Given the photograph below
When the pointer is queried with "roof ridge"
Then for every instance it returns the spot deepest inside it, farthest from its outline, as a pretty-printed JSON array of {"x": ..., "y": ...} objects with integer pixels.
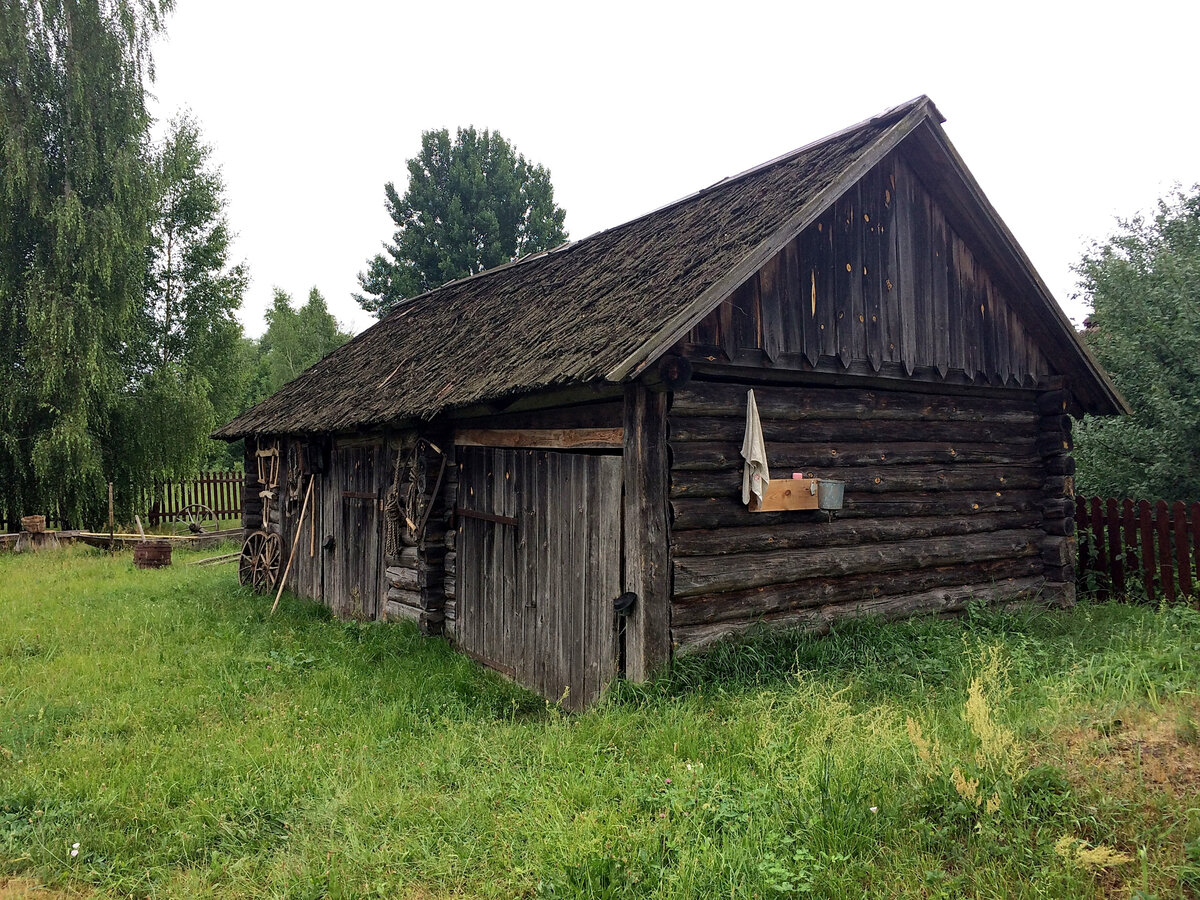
[{"x": 895, "y": 112}]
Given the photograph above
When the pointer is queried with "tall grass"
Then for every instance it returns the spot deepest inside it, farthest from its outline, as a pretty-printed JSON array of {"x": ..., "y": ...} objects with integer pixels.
[{"x": 194, "y": 746}]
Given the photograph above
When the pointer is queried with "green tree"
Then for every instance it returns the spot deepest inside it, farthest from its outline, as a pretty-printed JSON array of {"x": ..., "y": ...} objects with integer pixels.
[
  {"x": 1143, "y": 284},
  {"x": 470, "y": 205},
  {"x": 76, "y": 200},
  {"x": 191, "y": 372},
  {"x": 294, "y": 340}
]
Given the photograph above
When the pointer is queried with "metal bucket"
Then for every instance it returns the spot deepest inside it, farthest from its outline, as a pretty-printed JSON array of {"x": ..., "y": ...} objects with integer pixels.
[{"x": 830, "y": 494}]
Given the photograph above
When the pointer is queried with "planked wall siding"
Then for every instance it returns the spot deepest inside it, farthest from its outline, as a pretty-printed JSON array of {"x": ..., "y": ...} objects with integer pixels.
[
  {"x": 880, "y": 283},
  {"x": 944, "y": 498}
]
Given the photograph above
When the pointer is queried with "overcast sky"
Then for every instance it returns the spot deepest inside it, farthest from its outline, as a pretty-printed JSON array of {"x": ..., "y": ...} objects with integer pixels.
[{"x": 1068, "y": 114}]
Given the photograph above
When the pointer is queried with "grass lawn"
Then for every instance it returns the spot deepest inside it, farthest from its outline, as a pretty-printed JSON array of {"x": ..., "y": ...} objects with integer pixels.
[{"x": 189, "y": 745}]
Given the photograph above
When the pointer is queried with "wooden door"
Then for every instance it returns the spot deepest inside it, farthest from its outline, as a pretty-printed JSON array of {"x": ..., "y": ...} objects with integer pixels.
[
  {"x": 354, "y": 593},
  {"x": 539, "y": 566}
]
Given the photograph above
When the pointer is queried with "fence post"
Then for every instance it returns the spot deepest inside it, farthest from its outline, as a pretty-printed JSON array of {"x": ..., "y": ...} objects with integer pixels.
[
  {"x": 1116, "y": 561},
  {"x": 1147, "y": 535},
  {"x": 1183, "y": 562},
  {"x": 1164, "y": 549}
]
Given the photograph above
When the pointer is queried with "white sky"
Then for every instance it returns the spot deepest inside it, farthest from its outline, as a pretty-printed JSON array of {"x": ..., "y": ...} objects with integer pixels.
[{"x": 1068, "y": 114}]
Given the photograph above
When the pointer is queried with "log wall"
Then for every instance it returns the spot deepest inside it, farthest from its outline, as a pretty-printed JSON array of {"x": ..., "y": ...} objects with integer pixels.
[{"x": 946, "y": 499}]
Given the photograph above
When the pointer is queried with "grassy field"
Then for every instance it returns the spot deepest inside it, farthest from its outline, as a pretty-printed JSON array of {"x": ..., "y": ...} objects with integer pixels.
[{"x": 161, "y": 735}]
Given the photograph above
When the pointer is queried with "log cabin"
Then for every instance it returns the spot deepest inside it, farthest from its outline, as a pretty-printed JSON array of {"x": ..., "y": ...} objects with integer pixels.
[{"x": 542, "y": 462}]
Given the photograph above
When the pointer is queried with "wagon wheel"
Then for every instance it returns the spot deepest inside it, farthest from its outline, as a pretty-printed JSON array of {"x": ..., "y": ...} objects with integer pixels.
[
  {"x": 251, "y": 550},
  {"x": 195, "y": 519},
  {"x": 266, "y": 565}
]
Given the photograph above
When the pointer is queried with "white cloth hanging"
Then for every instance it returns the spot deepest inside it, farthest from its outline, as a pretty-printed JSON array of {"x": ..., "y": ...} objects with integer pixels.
[{"x": 754, "y": 451}]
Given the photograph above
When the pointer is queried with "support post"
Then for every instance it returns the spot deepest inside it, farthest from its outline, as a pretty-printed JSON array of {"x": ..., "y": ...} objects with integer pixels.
[{"x": 646, "y": 536}]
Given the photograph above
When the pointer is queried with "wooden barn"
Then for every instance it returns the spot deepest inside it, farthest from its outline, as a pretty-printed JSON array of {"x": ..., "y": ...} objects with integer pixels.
[{"x": 543, "y": 462}]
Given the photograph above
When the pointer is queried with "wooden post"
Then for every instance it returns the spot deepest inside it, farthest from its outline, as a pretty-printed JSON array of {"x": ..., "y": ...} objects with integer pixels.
[
  {"x": 111, "y": 529},
  {"x": 646, "y": 536}
]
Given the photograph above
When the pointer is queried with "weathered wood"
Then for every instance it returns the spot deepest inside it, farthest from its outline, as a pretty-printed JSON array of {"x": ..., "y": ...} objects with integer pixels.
[
  {"x": 399, "y": 612},
  {"x": 728, "y": 428},
  {"x": 542, "y": 438},
  {"x": 1053, "y": 443},
  {"x": 940, "y": 600},
  {"x": 870, "y": 480},
  {"x": 1053, "y": 402},
  {"x": 840, "y": 533},
  {"x": 401, "y": 577},
  {"x": 646, "y": 536},
  {"x": 716, "y": 455},
  {"x": 689, "y": 513},
  {"x": 714, "y": 398},
  {"x": 410, "y": 598},
  {"x": 708, "y": 575},
  {"x": 769, "y": 600}
]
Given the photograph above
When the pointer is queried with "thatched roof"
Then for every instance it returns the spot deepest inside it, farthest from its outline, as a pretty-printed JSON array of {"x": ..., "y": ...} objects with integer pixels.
[{"x": 592, "y": 311}]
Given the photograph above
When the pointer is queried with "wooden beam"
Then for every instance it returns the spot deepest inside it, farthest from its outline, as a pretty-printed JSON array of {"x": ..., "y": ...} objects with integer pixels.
[
  {"x": 542, "y": 438},
  {"x": 647, "y": 554}
]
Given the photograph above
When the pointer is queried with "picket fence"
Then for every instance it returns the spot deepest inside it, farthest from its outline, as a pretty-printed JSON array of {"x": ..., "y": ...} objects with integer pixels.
[
  {"x": 219, "y": 491},
  {"x": 1138, "y": 548}
]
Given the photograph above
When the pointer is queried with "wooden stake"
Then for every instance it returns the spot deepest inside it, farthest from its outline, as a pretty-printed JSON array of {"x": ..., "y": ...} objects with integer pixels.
[
  {"x": 111, "y": 529},
  {"x": 295, "y": 543},
  {"x": 141, "y": 531}
]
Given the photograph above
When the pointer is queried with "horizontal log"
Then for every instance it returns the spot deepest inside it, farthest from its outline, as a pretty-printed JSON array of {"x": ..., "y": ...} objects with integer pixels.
[
  {"x": 252, "y": 522},
  {"x": 402, "y": 577},
  {"x": 1052, "y": 402},
  {"x": 430, "y": 577},
  {"x": 405, "y": 597},
  {"x": 450, "y": 588},
  {"x": 1058, "y": 424},
  {"x": 717, "y": 455},
  {"x": 399, "y": 612},
  {"x": 433, "y": 598},
  {"x": 1059, "y": 594},
  {"x": 1051, "y": 444},
  {"x": 451, "y": 539},
  {"x": 711, "y": 398},
  {"x": 1058, "y": 550},
  {"x": 407, "y": 558},
  {"x": 697, "y": 512},
  {"x": 1065, "y": 572},
  {"x": 875, "y": 480},
  {"x": 542, "y": 438},
  {"x": 697, "y": 575},
  {"x": 1058, "y": 508},
  {"x": 727, "y": 428},
  {"x": 450, "y": 563},
  {"x": 1059, "y": 486},
  {"x": 841, "y": 532},
  {"x": 811, "y": 592},
  {"x": 940, "y": 600},
  {"x": 1060, "y": 464},
  {"x": 1059, "y": 526}
]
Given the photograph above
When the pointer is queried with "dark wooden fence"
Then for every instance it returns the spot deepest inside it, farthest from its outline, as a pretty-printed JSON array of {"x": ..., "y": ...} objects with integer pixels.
[
  {"x": 1138, "y": 548},
  {"x": 219, "y": 491}
]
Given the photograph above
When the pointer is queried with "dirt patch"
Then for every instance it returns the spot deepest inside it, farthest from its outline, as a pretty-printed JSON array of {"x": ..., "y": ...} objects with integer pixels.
[
  {"x": 27, "y": 889},
  {"x": 1138, "y": 750}
]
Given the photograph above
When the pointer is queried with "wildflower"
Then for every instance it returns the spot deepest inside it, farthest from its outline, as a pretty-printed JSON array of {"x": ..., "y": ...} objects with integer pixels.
[
  {"x": 875, "y": 809},
  {"x": 75, "y": 849},
  {"x": 668, "y": 781}
]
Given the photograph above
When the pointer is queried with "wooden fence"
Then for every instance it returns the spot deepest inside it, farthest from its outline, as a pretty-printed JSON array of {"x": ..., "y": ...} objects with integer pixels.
[
  {"x": 1138, "y": 548},
  {"x": 219, "y": 491}
]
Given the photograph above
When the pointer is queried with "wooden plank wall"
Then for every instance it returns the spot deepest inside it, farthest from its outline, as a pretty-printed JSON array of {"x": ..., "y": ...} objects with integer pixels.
[
  {"x": 881, "y": 283},
  {"x": 537, "y": 578},
  {"x": 943, "y": 505}
]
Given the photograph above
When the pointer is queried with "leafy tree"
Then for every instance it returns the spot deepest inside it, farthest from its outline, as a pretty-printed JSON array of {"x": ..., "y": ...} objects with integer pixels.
[
  {"x": 1144, "y": 288},
  {"x": 470, "y": 205},
  {"x": 191, "y": 371},
  {"x": 294, "y": 340},
  {"x": 76, "y": 199}
]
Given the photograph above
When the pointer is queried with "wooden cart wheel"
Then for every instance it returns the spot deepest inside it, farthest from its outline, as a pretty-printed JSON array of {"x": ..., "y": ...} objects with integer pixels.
[
  {"x": 266, "y": 569},
  {"x": 195, "y": 519},
  {"x": 251, "y": 550}
]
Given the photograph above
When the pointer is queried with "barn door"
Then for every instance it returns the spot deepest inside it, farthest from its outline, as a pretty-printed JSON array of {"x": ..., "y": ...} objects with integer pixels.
[
  {"x": 355, "y": 567},
  {"x": 539, "y": 566}
]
